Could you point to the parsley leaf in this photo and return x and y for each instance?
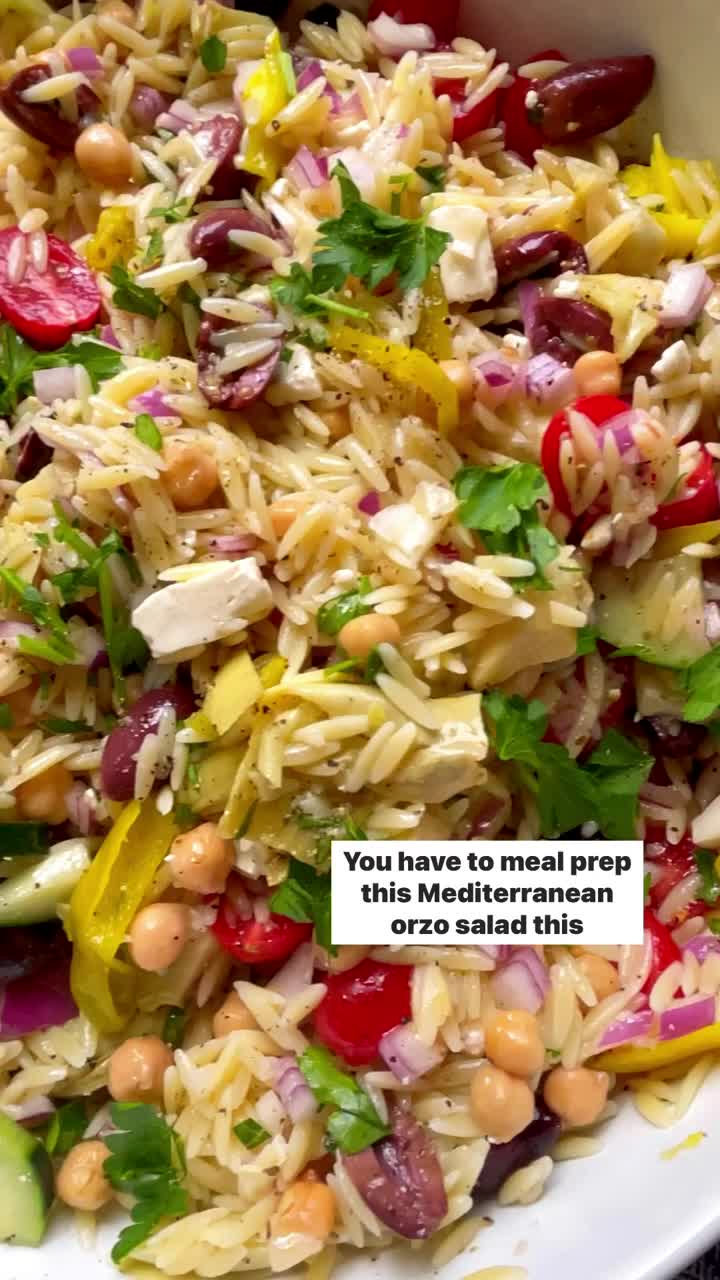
(177, 212)
(250, 1133)
(146, 1162)
(332, 616)
(18, 362)
(66, 1128)
(56, 646)
(709, 889)
(355, 1124)
(701, 681)
(619, 768)
(154, 249)
(174, 1026)
(6, 716)
(213, 54)
(586, 640)
(713, 924)
(20, 839)
(305, 896)
(500, 503)
(146, 429)
(433, 174)
(296, 291)
(59, 725)
(132, 297)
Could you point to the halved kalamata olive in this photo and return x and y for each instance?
(119, 758)
(209, 238)
(146, 104)
(325, 15)
(24, 951)
(33, 455)
(587, 98)
(234, 390)
(400, 1178)
(540, 253)
(219, 138)
(42, 120)
(566, 327)
(505, 1158)
(672, 737)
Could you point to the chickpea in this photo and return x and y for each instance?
(233, 1015)
(512, 1041)
(158, 935)
(337, 422)
(104, 155)
(190, 476)
(361, 635)
(307, 1208)
(502, 1105)
(285, 511)
(460, 374)
(600, 973)
(80, 1182)
(597, 373)
(42, 798)
(201, 860)
(577, 1095)
(136, 1069)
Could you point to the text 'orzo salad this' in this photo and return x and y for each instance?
(360, 461)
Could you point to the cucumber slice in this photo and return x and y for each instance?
(35, 894)
(26, 1184)
(655, 610)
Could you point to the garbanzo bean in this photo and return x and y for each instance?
(460, 374)
(233, 1015)
(597, 373)
(600, 973)
(191, 475)
(501, 1104)
(80, 1182)
(512, 1041)
(307, 1208)
(360, 635)
(158, 934)
(201, 860)
(337, 422)
(104, 155)
(577, 1095)
(43, 798)
(136, 1069)
(285, 511)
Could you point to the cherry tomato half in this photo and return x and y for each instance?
(598, 409)
(520, 135)
(360, 1006)
(466, 122)
(443, 19)
(258, 941)
(674, 862)
(664, 951)
(47, 307)
(698, 500)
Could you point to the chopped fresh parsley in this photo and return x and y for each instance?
(66, 1128)
(713, 924)
(154, 249)
(55, 647)
(213, 54)
(132, 297)
(6, 716)
(334, 826)
(355, 1123)
(709, 889)
(296, 291)
(150, 351)
(18, 839)
(305, 896)
(586, 642)
(146, 1162)
(332, 616)
(146, 429)
(189, 296)
(500, 503)
(18, 362)
(618, 769)
(177, 212)
(174, 1026)
(433, 174)
(250, 1133)
(56, 724)
(701, 681)
(42, 540)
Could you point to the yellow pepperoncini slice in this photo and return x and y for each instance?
(103, 905)
(672, 542)
(114, 239)
(663, 177)
(628, 1060)
(433, 331)
(408, 366)
(267, 91)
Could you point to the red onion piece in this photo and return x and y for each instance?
(702, 946)
(10, 630)
(684, 296)
(179, 115)
(370, 504)
(549, 381)
(147, 105)
(232, 546)
(406, 1055)
(351, 106)
(686, 1016)
(307, 170)
(84, 59)
(621, 427)
(108, 336)
(54, 384)
(34, 1111)
(152, 402)
(396, 38)
(311, 71)
(629, 1026)
(359, 168)
(496, 377)
(522, 982)
(81, 804)
(38, 1001)
(293, 1090)
(296, 974)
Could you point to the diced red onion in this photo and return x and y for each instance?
(629, 1026)
(10, 630)
(499, 952)
(498, 377)
(351, 106)
(34, 1111)
(84, 59)
(311, 71)
(370, 504)
(231, 546)
(406, 1055)
(54, 384)
(154, 403)
(179, 116)
(702, 946)
(687, 290)
(359, 168)
(522, 982)
(396, 38)
(293, 1090)
(147, 105)
(296, 973)
(549, 381)
(81, 804)
(621, 427)
(686, 1016)
(108, 336)
(35, 1002)
(306, 169)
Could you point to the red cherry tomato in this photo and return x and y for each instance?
(258, 941)
(444, 21)
(598, 409)
(664, 951)
(520, 135)
(465, 122)
(699, 499)
(674, 861)
(360, 1006)
(47, 307)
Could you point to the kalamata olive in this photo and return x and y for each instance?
(209, 238)
(235, 390)
(673, 737)
(146, 104)
(119, 758)
(33, 455)
(566, 327)
(505, 1158)
(540, 253)
(42, 120)
(400, 1178)
(587, 98)
(325, 15)
(24, 951)
(219, 139)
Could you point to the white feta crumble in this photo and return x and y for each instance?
(205, 602)
(467, 265)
